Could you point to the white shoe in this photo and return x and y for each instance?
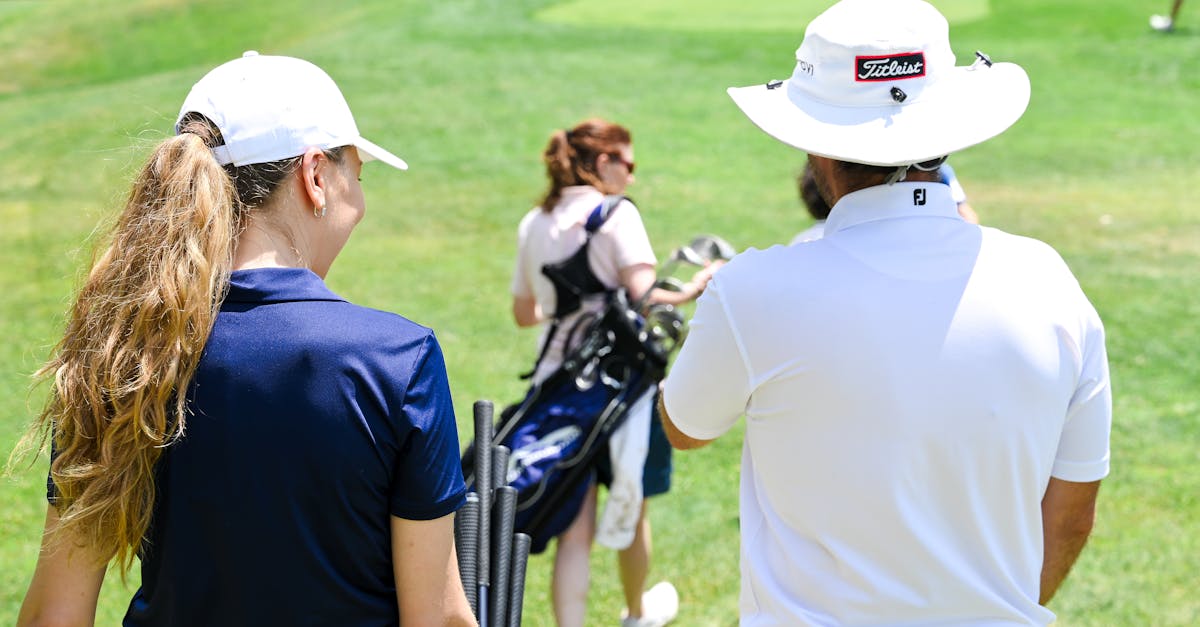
(660, 604)
(1162, 23)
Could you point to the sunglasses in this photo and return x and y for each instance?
(628, 164)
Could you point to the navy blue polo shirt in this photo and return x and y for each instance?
(312, 422)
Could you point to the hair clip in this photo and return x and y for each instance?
(774, 84)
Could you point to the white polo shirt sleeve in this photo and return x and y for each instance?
(709, 384)
(521, 286)
(1083, 450)
(620, 243)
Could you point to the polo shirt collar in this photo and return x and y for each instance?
(886, 202)
(277, 285)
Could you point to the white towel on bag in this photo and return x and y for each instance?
(627, 448)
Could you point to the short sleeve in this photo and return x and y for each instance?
(624, 239)
(708, 387)
(428, 481)
(520, 286)
(1083, 449)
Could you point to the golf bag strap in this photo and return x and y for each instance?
(573, 277)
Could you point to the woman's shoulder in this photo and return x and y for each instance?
(383, 338)
(623, 215)
(385, 322)
(627, 205)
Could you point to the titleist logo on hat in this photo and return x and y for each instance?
(890, 67)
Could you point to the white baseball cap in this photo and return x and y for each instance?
(875, 83)
(270, 108)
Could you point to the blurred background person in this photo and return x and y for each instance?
(586, 164)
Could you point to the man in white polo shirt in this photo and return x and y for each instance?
(927, 401)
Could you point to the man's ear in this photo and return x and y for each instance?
(314, 176)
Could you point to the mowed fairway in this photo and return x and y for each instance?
(1104, 166)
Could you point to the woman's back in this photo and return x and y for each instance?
(546, 237)
(313, 420)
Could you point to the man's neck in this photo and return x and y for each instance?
(835, 182)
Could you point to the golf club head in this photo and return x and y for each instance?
(665, 327)
(670, 284)
(711, 247)
(687, 254)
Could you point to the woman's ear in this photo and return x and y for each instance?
(314, 177)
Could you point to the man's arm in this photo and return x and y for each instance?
(709, 385)
(676, 437)
(1068, 512)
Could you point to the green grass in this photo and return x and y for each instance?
(1103, 167)
(689, 15)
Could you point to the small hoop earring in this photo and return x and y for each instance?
(319, 211)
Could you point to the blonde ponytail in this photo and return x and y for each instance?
(119, 376)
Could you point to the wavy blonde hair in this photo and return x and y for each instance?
(119, 376)
(132, 343)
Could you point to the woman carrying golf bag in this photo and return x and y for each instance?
(591, 238)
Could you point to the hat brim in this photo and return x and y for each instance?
(373, 152)
(963, 108)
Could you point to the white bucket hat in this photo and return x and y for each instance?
(875, 83)
(271, 108)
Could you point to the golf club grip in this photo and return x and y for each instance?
(506, 511)
(483, 486)
(500, 454)
(466, 529)
(516, 585)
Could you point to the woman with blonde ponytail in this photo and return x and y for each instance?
(589, 167)
(270, 453)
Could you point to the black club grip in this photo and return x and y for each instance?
(516, 587)
(506, 510)
(466, 542)
(483, 486)
(500, 455)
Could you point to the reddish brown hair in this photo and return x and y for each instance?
(570, 157)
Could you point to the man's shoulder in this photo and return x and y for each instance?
(777, 260)
(1021, 249)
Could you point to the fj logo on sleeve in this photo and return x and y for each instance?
(919, 196)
